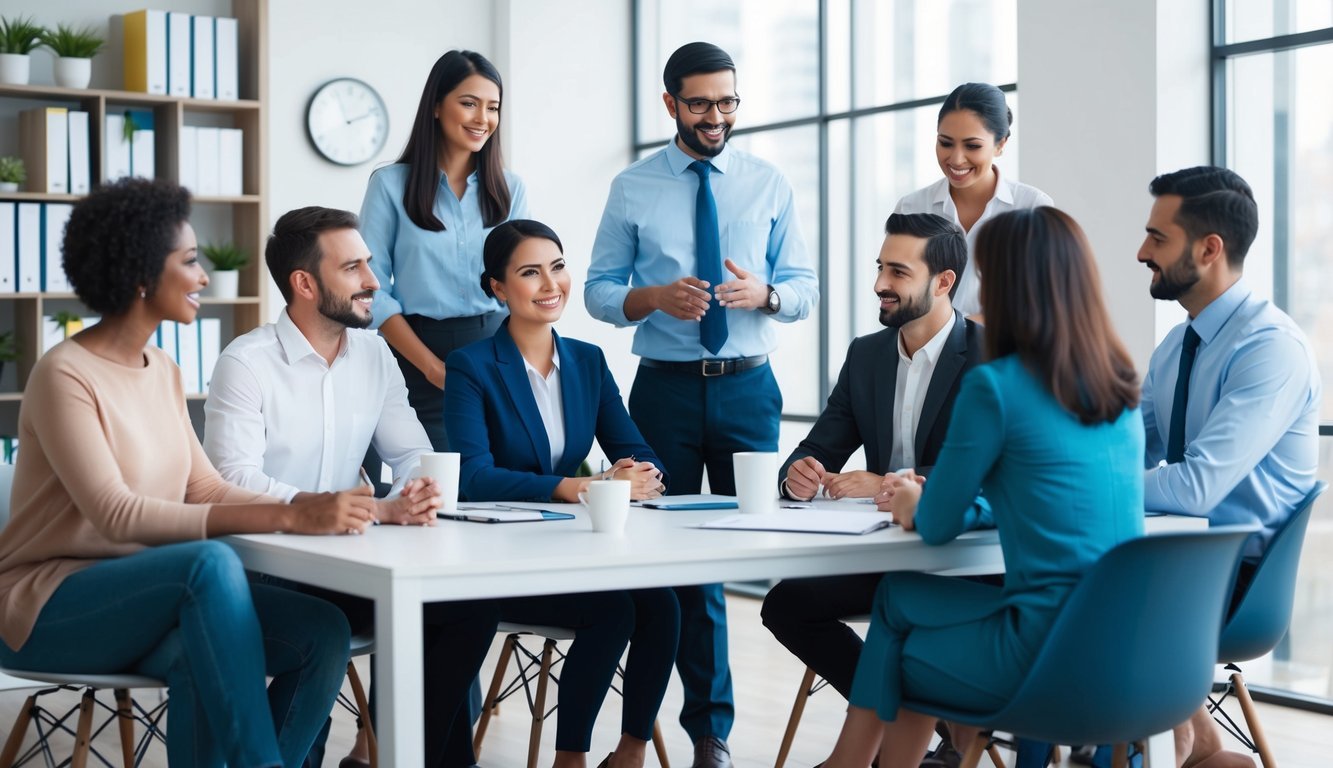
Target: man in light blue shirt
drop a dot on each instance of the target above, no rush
(1244, 446)
(699, 248)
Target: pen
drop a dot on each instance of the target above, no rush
(365, 481)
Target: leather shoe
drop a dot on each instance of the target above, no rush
(711, 752)
(353, 762)
(607, 762)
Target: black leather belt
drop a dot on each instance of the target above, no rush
(706, 367)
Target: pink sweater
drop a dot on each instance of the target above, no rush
(108, 465)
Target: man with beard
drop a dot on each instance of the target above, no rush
(699, 248)
(894, 398)
(292, 407)
(1231, 399)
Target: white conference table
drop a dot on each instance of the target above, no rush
(401, 568)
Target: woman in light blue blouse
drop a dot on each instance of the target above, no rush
(1050, 429)
(425, 219)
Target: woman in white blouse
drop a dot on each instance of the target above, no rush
(973, 128)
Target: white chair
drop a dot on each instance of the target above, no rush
(126, 712)
(530, 667)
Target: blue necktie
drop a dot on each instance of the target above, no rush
(708, 246)
(1175, 444)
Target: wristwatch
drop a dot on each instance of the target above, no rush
(774, 302)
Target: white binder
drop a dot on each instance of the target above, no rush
(179, 55)
(54, 218)
(80, 158)
(116, 164)
(8, 248)
(29, 247)
(202, 69)
(230, 146)
(227, 75)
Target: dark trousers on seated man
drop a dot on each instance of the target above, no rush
(695, 422)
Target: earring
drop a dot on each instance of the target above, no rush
(143, 294)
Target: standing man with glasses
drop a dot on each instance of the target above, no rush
(699, 248)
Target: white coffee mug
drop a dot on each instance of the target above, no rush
(607, 502)
(443, 469)
(756, 481)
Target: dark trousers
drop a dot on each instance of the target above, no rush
(695, 423)
(805, 615)
(604, 622)
(441, 337)
(455, 639)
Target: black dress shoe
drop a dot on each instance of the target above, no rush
(711, 752)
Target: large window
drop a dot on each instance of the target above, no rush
(1273, 124)
(841, 95)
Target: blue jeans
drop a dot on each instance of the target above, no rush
(184, 613)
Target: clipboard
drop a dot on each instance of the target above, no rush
(500, 513)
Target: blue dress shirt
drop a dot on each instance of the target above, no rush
(646, 238)
(436, 274)
(1251, 424)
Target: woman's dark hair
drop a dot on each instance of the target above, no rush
(987, 101)
(422, 153)
(118, 238)
(1213, 201)
(1042, 298)
(294, 243)
(503, 241)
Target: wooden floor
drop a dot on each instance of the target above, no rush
(766, 678)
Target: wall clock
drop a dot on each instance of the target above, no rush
(346, 121)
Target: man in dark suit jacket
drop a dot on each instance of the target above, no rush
(894, 397)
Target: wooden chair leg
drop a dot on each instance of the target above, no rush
(15, 739)
(539, 708)
(659, 745)
(794, 719)
(83, 736)
(993, 753)
(1054, 758)
(1120, 755)
(1252, 721)
(363, 713)
(488, 705)
(974, 750)
(125, 719)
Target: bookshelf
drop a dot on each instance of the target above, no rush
(242, 219)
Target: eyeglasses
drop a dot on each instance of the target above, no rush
(703, 106)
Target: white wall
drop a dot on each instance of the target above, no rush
(1113, 95)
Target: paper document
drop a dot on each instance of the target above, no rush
(692, 501)
(506, 512)
(805, 521)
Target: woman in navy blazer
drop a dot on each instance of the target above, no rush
(522, 408)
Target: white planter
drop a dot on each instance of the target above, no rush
(14, 68)
(9, 186)
(223, 284)
(73, 73)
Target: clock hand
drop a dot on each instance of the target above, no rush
(361, 116)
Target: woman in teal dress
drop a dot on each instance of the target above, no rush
(1049, 431)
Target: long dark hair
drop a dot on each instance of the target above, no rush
(1042, 297)
(423, 146)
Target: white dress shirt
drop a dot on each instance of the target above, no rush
(546, 391)
(910, 389)
(1009, 196)
(280, 420)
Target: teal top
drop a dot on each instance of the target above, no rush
(1061, 493)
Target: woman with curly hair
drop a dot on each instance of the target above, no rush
(114, 500)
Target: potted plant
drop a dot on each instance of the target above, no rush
(18, 37)
(71, 322)
(9, 351)
(227, 260)
(74, 50)
(12, 173)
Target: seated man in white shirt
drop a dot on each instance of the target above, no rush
(293, 405)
